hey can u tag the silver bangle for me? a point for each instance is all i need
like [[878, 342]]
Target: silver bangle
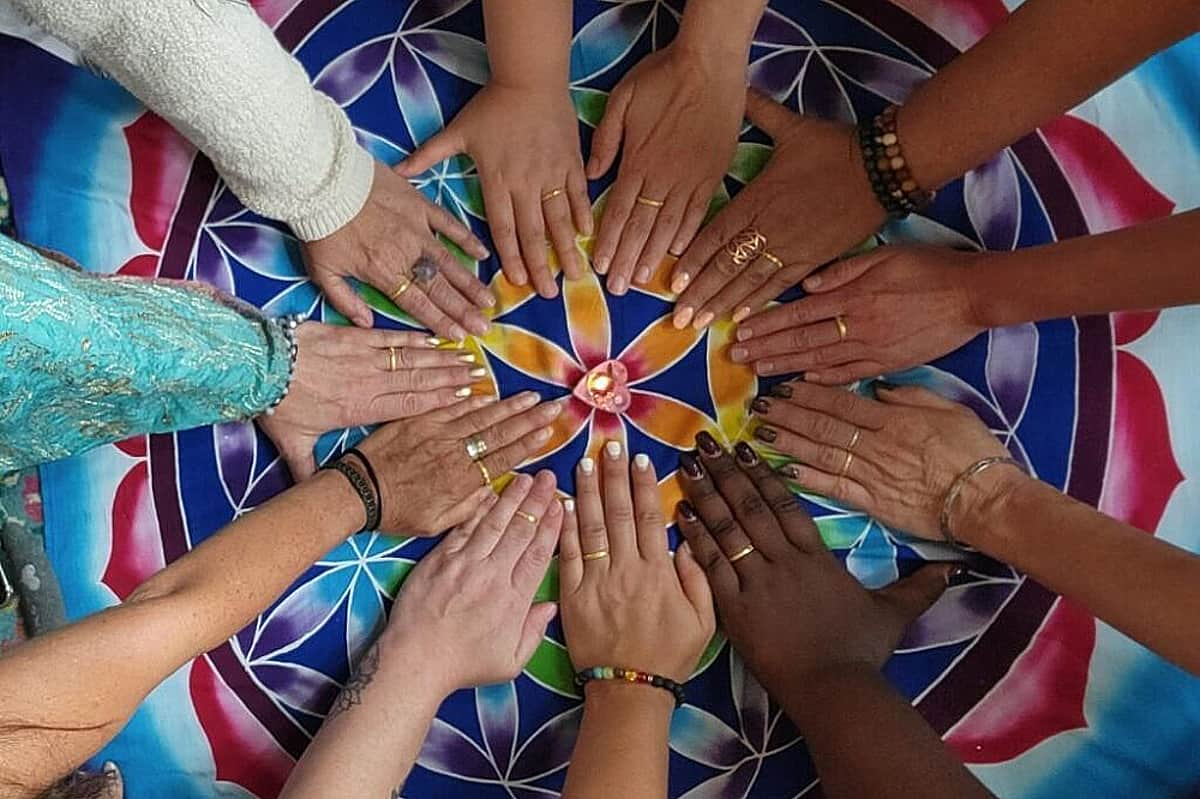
[[287, 326], [957, 486]]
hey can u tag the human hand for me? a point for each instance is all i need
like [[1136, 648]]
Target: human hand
[[679, 114], [899, 307], [429, 482], [812, 203], [791, 610], [466, 606], [525, 144], [911, 444], [344, 378], [637, 608], [391, 244]]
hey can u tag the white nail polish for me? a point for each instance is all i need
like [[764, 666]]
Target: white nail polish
[[433, 341], [568, 505], [480, 372], [613, 448], [642, 461], [587, 465], [463, 392], [468, 358]]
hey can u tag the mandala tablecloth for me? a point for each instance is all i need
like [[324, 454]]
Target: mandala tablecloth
[[1030, 690]]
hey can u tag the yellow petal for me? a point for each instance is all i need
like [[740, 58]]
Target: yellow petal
[[732, 385], [657, 348], [531, 354], [666, 419], [587, 318]]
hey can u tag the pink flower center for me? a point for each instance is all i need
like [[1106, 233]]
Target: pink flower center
[[605, 387]]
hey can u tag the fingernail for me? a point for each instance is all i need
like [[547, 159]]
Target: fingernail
[[478, 372], [782, 390], [613, 449], [489, 301], [685, 548], [468, 358], [544, 434], [617, 285], [761, 405], [680, 282], [478, 325], [642, 461], [791, 470], [764, 367], [520, 280], [740, 314], [745, 453], [463, 392], [458, 334], [744, 333], [587, 226], [702, 320], [643, 275], [690, 465], [528, 399], [708, 445], [682, 317], [600, 265], [587, 465], [433, 341], [553, 409], [813, 282], [685, 509], [568, 505], [767, 434], [738, 354]]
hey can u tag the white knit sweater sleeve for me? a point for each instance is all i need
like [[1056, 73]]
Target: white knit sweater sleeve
[[216, 72]]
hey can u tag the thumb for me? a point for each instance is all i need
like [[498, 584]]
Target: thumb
[[435, 150], [536, 623], [916, 593], [770, 117], [300, 463], [840, 273], [345, 299], [607, 138], [694, 581]]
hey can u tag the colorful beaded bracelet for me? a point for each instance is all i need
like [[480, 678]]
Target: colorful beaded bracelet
[[584, 676], [887, 168]]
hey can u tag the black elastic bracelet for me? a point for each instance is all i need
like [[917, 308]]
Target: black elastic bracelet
[[616, 674], [362, 487], [356, 452]]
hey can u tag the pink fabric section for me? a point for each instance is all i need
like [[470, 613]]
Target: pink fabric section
[[163, 159], [960, 22], [136, 551]]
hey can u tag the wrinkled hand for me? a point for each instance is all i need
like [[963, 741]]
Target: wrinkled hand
[[465, 609], [901, 306], [637, 608], [380, 246], [812, 202], [428, 481], [789, 607], [679, 115], [911, 445], [525, 144], [343, 378]]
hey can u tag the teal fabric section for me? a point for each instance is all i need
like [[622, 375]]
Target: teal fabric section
[[86, 360]]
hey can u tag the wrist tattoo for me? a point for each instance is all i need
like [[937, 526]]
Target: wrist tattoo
[[352, 691]]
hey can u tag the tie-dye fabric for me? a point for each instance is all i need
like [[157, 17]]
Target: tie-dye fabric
[[1039, 698]]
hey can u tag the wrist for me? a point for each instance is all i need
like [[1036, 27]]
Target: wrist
[[620, 697], [987, 286], [338, 500], [982, 505], [811, 693], [403, 663]]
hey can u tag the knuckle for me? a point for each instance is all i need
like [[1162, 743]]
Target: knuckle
[[592, 530], [621, 514], [784, 504], [538, 552], [410, 405], [752, 505], [723, 527], [504, 230]]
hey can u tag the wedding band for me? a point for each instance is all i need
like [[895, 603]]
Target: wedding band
[[529, 517], [846, 465], [841, 326], [778, 263], [854, 438], [476, 448], [391, 359], [652, 203], [405, 285], [550, 195], [743, 552], [746, 246], [597, 555], [484, 473]]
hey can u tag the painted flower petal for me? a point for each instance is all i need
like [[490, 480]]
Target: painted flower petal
[[263, 249], [587, 319], [459, 55], [348, 76], [302, 612], [508, 295], [993, 200], [382, 148], [449, 751], [236, 446], [917, 229], [775, 28], [730, 785], [658, 348], [299, 686], [496, 707], [822, 93], [388, 574], [136, 551], [749, 160], [567, 425], [953, 388], [607, 38], [604, 427], [1129, 326], [699, 735], [589, 105], [961, 22], [528, 352], [164, 159], [731, 385], [415, 95], [364, 617], [424, 13], [549, 748], [751, 702], [843, 531], [1011, 367], [883, 75], [667, 419], [775, 74], [963, 612], [873, 561]]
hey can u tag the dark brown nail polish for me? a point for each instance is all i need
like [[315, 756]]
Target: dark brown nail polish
[[746, 453], [708, 445], [691, 466], [760, 405], [767, 434], [782, 390], [956, 575], [686, 511]]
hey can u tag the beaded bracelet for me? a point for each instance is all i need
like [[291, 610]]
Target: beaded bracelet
[[887, 168], [287, 326], [363, 488], [370, 473], [584, 676], [957, 486]]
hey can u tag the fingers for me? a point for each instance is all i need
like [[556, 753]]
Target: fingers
[[777, 346], [779, 415], [840, 273], [695, 584], [913, 396], [647, 505], [531, 232], [342, 297], [527, 524], [710, 506], [557, 213], [836, 402], [531, 566], [837, 486], [509, 430], [704, 278], [570, 551], [497, 520], [666, 226], [503, 224], [442, 221], [436, 149], [844, 374], [618, 502], [820, 358], [790, 315], [593, 535], [607, 138], [446, 297], [354, 340], [400, 365], [739, 494], [767, 115], [797, 525], [581, 205], [469, 285], [753, 286], [415, 302], [406, 404], [916, 593], [621, 199], [693, 218], [460, 535], [539, 618], [720, 572]]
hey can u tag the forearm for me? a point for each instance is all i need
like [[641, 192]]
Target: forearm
[[216, 72], [1047, 57], [528, 41], [1147, 266], [715, 27], [96, 359], [1142, 586], [852, 709], [378, 723], [622, 745]]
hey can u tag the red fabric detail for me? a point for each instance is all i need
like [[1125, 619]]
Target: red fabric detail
[[136, 544], [1129, 326], [145, 265], [162, 159]]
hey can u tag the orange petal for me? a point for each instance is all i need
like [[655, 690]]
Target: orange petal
[[567, 425], [670, 492], [659, 284], [587, 318], [732, 385], [529, 353], [667, 420], [508, 296], [605, 427], [657, 348]]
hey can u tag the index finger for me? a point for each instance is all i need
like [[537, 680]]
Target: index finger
[[803, 311], [741, 496], [795, 522]]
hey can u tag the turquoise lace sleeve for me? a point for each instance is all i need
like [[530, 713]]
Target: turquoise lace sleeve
[[88, 359]]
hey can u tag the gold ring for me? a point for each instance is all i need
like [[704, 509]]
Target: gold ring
[[405, 285], [476, 448], [841, 326], [746, 246], [854, 438], [550, 195], [391, 359], [597, 555], [484, 473], [846, 465], [743, 552], [529, 517], [770, 257], [642, 200]]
